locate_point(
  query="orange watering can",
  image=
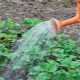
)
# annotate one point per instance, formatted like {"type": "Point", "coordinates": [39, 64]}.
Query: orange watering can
{"type": "Point", "coordinates": [59, 24]}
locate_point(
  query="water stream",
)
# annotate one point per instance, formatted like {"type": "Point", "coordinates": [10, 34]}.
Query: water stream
{"type": "Point", "coordinates": [41, 33]}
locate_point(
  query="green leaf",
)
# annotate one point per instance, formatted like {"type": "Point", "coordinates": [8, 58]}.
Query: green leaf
{"type": "Point", "coordinates": [75, 64]}
{"type": "Point", "coordinates": [2, 35]}
{"type": "Point", "coordinates": [49, 67]}
{"type": "Point", "coordinates": [1, 78]}
{"type": "Point", "coordinates": [37, 49]}
{"type": "Point", "coordinates": [27, 22]}
{"type": "Point", "coordinates": [62, 36]}
{"type": "Point", "coordinates": [41, 76]}
{"type": "Point", "coordinates": [17, 25]}
{"type": "Point", "coordinates": [2, 24]}
{"type": "Point", "coordinates": [35, 70]}
{"type": "Point", "coordinates": [37, 20]}
{"type": "Point", "coordinates": [66, 62]}
{"type": "Point", "coordinates": [31, 22]}
{"type": "Point", "coordinates": [2, 64]}
{"type": "Point", "coordinates": [54, 43]}
{"type": "Point", "coordinates": [71, 78]}
{"type": "Point", "coordinates": [60, 76]}
{"type": "Point", "coordinates": [44, 66]}
{"type": "Point", "coordinates": [52, 66]}
{"type": "Point", "coordinates": [9, 23]}
{"type": "Point", "coordinates": [78, 50]}
{"type": "Point", "coordinates": [71, 41]}
{"type": "Point", "coordinates": [2, 47]}
{"type": "Point", "coordinates": [13, 32]}
{"type": "Point", "coordinates": [47, 75]}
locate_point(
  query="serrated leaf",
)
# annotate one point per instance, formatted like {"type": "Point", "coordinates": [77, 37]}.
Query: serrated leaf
{"type": "Point", "coordinates": [44, 66]}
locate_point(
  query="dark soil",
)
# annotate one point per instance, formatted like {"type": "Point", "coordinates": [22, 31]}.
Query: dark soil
{"type": "Point", "coordinates": [17, 10]}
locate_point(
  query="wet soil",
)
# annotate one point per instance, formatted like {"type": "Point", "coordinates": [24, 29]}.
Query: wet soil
{"type": "Point", "coordinates": [17, 10]}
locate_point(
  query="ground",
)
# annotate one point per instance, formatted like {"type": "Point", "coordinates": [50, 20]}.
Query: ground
{"type": "Point", "coordinates": [17, 10]}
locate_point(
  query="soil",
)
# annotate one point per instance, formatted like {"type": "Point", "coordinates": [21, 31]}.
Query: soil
{"type": "Point", "coordinates": [17, 10]}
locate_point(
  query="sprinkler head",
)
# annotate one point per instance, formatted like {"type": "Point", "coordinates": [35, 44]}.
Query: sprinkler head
{"type": "Point", "coordinates": [55, 24]}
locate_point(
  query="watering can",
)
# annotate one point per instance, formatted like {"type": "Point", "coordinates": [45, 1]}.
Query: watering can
{"type": "Point", "coordinates": [57, 25]}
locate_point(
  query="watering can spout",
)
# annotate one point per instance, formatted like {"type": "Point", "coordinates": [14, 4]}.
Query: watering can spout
{"type": "Point", "coordinates": [60, 24]}
{"type": "Point", "coordinates": [56, 24]}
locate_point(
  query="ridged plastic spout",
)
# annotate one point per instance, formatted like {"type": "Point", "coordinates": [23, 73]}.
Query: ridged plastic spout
{"type": "Point", "coordinates": [76, 19]}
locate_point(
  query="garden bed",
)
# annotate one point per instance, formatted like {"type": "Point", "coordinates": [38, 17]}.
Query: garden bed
{"type": "Point", "coordinates": [17, 10]}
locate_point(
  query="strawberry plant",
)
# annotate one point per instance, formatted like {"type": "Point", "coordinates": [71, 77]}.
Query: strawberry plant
{"type": "Point", "coordinates": [61, 60]}
{"type": "Point", "coordinates": [8, 32]}
{"type": "Point", "coordinates": [31, 22]}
